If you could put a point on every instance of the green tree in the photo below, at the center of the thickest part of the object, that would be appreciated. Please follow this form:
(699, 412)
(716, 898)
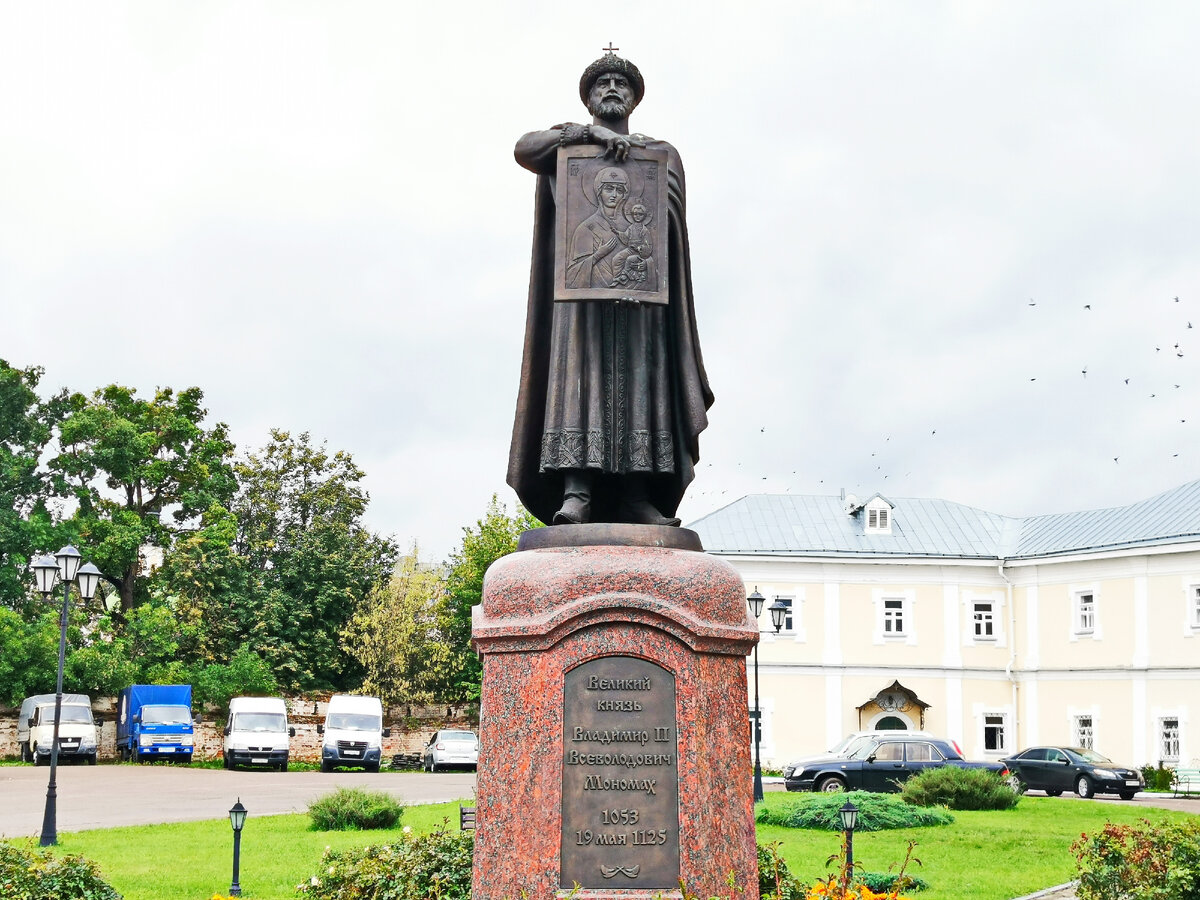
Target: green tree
(394, 634)
(493, 536)
(299, 527)
(142, 472)
(26, 525)
(28, 654)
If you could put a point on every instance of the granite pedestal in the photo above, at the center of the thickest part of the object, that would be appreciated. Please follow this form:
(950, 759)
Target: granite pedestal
(613, 725)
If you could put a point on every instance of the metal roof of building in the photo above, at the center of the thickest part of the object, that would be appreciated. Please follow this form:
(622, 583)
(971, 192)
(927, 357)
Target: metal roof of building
(782, 524)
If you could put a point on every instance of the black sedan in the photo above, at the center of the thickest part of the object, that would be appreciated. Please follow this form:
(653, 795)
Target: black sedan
(1086, 772)
(882, 764)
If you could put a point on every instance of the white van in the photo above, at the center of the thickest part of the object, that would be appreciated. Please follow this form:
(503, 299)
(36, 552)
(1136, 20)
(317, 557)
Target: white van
(353, 733)
(257, 733)
(77, 737)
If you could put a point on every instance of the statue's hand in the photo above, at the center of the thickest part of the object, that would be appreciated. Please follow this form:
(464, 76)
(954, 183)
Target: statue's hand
(615, 145)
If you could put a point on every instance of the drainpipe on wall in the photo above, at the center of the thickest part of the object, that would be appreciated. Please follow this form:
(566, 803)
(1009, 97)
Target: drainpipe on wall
(1012, 656)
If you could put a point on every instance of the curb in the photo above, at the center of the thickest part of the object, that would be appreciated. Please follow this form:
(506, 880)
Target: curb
(1050, 891)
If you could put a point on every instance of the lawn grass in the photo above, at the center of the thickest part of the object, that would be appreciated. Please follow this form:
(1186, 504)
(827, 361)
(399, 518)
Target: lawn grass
(194, 860)
(981, 856)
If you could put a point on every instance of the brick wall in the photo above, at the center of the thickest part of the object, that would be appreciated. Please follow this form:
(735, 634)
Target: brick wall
(411, 728)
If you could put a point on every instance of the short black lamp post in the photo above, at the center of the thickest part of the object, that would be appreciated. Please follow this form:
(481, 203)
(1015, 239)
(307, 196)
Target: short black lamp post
(756, 601)
(237, 818)
(64, 566)
(849, 814)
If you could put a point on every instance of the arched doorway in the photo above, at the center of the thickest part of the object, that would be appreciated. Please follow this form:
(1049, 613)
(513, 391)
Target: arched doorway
(895, 708)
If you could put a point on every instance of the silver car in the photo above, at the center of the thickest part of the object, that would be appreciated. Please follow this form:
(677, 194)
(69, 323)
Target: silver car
(450, 748)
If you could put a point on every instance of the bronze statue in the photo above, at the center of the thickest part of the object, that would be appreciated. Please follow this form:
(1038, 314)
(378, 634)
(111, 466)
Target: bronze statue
(613, 393)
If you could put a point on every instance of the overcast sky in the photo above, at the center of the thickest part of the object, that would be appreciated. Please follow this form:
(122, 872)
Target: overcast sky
(914, 227)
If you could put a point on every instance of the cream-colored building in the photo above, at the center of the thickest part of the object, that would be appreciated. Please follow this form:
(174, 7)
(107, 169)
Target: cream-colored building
(997, 632)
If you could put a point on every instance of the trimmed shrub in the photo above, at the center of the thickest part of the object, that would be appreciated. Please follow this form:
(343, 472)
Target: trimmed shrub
(415, 868)
(876, 812)
(40, 876)
(882, 882)
(775, 880)
(958, 788)
(1140, 862)
(1157, 777)
(353, 809)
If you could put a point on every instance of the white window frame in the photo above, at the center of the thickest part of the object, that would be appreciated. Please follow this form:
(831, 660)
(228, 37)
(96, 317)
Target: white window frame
(983, 620)
(1193, 608)
(999, 637)
(766, 709)
(1078, 628)
(1164, 741)
(1083, 730)
(879, 517)
(796, 632)
(1002, 725)
(907, 616)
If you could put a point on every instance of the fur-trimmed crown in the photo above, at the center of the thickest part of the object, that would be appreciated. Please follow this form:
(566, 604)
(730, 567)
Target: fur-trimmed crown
(610, 62)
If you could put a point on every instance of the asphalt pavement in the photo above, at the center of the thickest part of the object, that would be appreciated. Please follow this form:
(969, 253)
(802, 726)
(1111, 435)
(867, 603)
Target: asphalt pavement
(107, 796)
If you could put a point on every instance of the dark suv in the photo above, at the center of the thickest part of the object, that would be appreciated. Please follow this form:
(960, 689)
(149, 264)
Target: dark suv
(883, 764)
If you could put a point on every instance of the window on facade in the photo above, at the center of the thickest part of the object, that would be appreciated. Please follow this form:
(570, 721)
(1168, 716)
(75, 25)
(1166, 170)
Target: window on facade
(789, 622)
(1195, 607)
(985, 620)
(1087, 613)
(1168, 731)
(993, 733)
(1083, 732)
(893, 616)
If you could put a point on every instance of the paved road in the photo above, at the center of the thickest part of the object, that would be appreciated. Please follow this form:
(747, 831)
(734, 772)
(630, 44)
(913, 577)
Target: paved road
(106, 796)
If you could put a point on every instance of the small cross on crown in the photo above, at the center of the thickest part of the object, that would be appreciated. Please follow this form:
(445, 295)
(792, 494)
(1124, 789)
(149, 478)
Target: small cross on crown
(610, 48)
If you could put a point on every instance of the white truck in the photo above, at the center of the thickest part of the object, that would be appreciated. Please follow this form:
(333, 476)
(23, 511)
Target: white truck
(257, 733)
(77, 736)
(353, 733)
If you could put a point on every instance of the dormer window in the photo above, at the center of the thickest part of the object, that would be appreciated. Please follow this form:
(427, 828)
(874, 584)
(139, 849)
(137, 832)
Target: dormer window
(879, 516)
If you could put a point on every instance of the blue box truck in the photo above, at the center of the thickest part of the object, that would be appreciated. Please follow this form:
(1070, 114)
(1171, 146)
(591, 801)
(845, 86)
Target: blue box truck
(154, 721)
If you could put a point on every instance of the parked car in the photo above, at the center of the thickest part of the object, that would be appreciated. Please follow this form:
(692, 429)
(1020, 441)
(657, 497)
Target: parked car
(1086, 772)
(450, 748)
(880, 764)
(851, 742)
(353, 733)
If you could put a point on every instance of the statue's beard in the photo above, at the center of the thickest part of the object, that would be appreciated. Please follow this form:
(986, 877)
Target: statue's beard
(611, 111)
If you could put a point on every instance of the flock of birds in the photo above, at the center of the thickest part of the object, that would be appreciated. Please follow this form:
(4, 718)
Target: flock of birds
(1168, 377)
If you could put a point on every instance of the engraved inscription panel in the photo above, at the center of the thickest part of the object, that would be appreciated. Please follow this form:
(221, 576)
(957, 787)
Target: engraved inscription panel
(612, 226)
(620, 800)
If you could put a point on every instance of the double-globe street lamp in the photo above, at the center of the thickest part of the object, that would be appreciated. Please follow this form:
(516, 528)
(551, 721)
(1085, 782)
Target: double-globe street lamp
(778, 612)
(63, 565)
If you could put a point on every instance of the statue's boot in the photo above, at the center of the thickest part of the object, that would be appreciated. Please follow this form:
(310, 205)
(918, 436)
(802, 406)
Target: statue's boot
(635, 508)
(577, 501)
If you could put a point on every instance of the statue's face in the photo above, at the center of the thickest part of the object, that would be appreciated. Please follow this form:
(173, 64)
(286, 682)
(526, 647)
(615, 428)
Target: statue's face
(611, 194)
(611, 97)
(638, 213)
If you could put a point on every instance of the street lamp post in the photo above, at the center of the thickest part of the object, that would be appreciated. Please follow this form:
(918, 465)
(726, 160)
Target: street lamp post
(849, 814)
(237, 819)
(756, 601)
(64, 565)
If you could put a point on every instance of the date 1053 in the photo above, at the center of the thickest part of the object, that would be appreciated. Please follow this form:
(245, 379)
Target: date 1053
(641, 837)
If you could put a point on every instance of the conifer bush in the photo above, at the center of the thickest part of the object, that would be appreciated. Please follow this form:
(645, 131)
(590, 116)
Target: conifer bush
(353, 809)
(876, 812)
(957, 788)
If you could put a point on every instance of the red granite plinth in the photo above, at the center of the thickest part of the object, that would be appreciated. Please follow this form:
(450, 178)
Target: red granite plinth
(547, 611)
